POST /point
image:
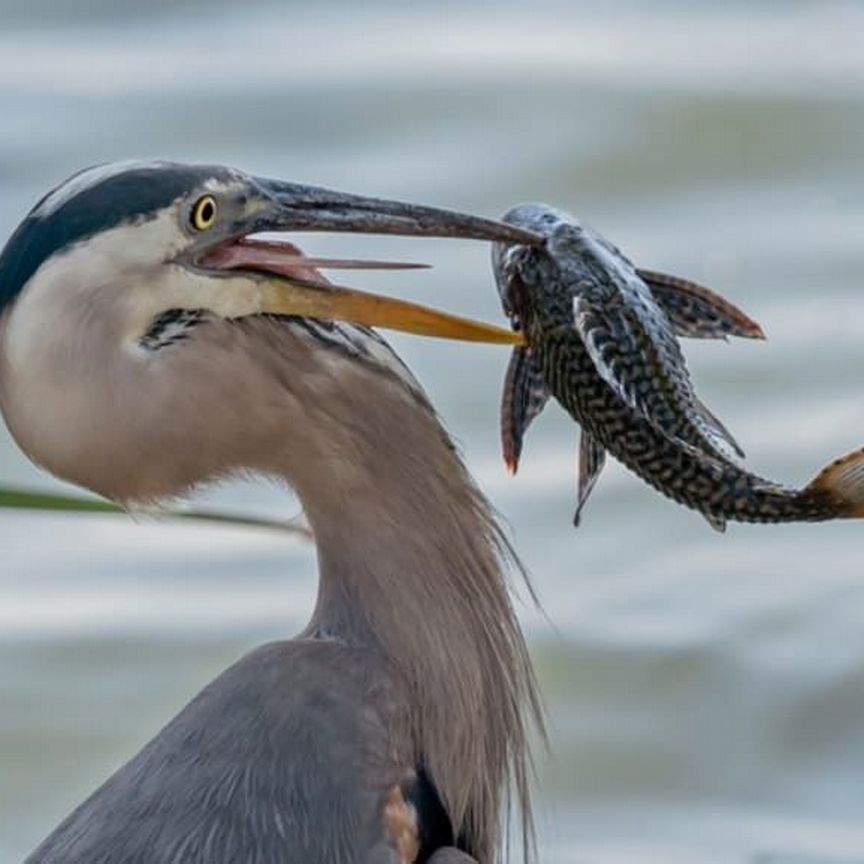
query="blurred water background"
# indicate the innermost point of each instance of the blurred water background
(705, 692)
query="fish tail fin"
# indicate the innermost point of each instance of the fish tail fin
(842, 483)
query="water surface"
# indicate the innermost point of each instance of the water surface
(705, 692)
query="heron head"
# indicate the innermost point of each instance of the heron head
(134, 303)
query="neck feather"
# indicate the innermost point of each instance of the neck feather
(412, 562)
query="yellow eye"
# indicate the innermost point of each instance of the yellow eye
(204, 213)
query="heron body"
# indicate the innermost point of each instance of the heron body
(602, 338)
(148, 347)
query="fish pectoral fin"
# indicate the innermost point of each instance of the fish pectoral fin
(698, 312)
(718, 523)
(718, 430)
(592, 458)
(524, 396)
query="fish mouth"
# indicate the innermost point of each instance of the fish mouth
(291, 282)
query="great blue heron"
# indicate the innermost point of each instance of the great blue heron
(147, 347)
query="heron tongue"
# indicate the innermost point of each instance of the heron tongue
(302, 291)
(285, 259)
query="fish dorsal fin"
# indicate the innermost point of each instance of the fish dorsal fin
(600, 344)
(718, 431)
(636, 353)
(698, 312)
(643, 369)
(592, 457)
(524, 396)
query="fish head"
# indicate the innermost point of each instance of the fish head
(509, 261)
(534, 281)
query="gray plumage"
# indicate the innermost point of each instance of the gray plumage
(396, 725)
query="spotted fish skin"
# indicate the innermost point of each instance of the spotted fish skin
(607, 351)
(583, 281)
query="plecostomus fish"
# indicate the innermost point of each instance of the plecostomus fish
(601, 337)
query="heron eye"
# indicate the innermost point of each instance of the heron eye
(204, 213)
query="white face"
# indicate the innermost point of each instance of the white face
(128, 276)
(75, 331)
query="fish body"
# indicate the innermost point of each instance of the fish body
(602, 338)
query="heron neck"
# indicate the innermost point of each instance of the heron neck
(406, 542)
(410, 560)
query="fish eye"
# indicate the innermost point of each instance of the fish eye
(204, 213)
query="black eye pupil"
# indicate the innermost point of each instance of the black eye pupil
(206, 213)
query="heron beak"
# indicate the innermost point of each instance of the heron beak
(302, 291)
(309, 208)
